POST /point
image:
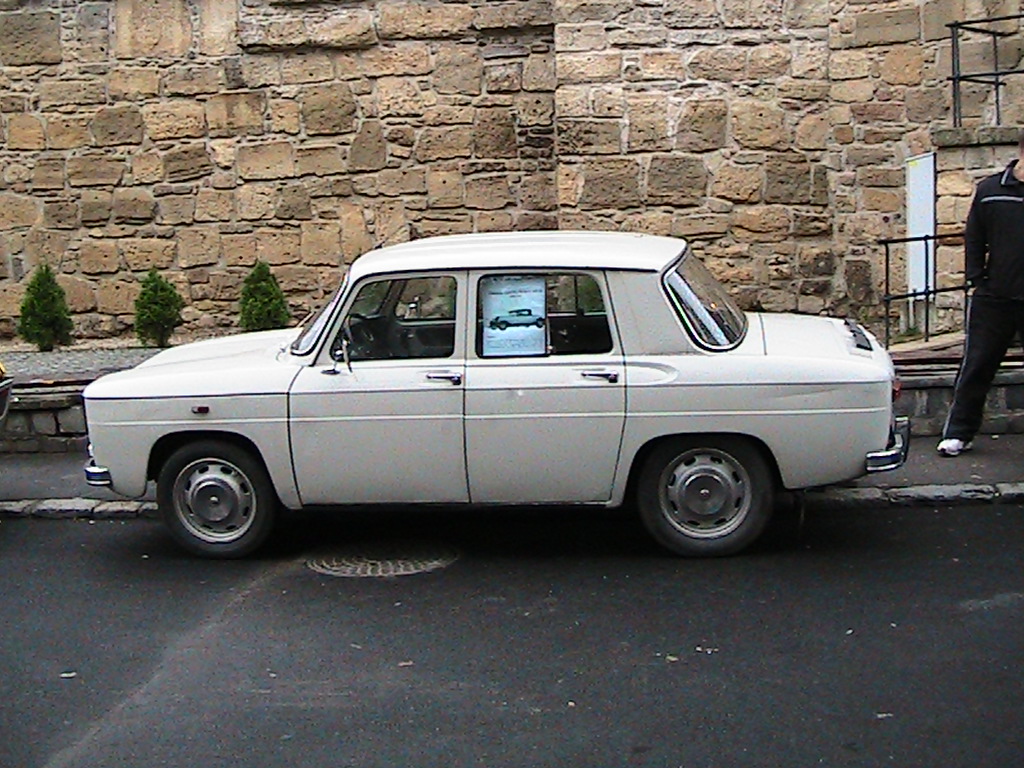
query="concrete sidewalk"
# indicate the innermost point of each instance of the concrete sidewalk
(52, 485)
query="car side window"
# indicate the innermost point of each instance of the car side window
(540, 315)
(401, 319)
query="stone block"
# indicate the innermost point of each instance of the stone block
(239, 250)
(405, 20)
(444, 188)
(186, 163)
(236, 114)
(29, 39)
(590, 137)
(494, 133)
(111, 126)
(198, 247)
(193, 80)
(648, 125)
(503, 77)
(116, 297)
(217, 27)
(409, 59)
(96, 207)
(307, 68)
(318, 161)
(610, 183)
(94, 170)
(898, 25)
(719, 64)
(71, 421)
(676, 180)
(174, 120)
(369, 151)
(25, 132)
(17, 211)
(294, 203)
(343, 30)
(67, 131)
(513, 15)
(61, 214)
(285, 116)
(328, 109)
(139, 254)
(147, 168)
(320, 243)
(279, 246)
(487, 193)
(146, 28)
(266, 161)
(702, 125)
(443, 144)
(757, 124)
(787, 180)
(214, 205)
(98, 257)
(589, 67)
(682, 14)
(133, 83)
(56, 94)
(133, 206)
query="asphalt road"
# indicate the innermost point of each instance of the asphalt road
(890, 638)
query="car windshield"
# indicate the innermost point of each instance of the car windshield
(315, 323)
(706, 308)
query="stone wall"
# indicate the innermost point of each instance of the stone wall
(197, 136)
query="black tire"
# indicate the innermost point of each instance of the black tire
(706, 497)
(216, 499)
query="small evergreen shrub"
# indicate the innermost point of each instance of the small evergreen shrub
(157, 310)
(263, 303)
(45, 318)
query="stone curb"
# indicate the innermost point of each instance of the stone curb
(78, 509)
(917, 495)
(846, 498)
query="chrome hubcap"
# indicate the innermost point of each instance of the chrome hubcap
(214, 500)
(705, 493)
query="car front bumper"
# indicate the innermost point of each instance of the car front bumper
(895, 455)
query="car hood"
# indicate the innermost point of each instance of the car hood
(249, 363)
(812, 338)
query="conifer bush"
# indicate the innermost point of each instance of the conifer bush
(45, 318)
(263, 305)
(157, 310)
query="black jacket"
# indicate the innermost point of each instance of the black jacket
(994, 237)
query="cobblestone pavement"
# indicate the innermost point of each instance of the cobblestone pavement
(69, 364)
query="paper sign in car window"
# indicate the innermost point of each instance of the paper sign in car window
(513, 315)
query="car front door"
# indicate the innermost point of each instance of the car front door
(384, 424)
(545, 401)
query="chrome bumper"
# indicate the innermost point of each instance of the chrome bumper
(895, 455)
(99, 476)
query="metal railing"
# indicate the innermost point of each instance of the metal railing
(994, 78)
(927, 295)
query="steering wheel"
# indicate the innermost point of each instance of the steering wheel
(362, 339)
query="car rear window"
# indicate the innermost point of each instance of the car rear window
(707, 310)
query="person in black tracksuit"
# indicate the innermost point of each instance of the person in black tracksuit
(994, 265)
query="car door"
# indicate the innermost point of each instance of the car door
(384, 424)
(545, 400)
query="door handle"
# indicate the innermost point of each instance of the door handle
(612, 377)
(453, 378)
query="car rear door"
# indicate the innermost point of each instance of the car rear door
(545, 402)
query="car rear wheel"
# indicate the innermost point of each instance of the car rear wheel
(216, 499)
(706, 497)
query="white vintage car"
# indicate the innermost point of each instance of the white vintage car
(644, 382)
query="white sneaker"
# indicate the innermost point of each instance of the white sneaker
(953, 447)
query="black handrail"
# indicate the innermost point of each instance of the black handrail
(930, 241)
(995, 78)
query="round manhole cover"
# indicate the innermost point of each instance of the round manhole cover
(368, 560)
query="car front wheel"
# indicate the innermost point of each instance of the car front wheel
(216, 499)
(706, 497)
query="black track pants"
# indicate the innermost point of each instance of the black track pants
(991, 326)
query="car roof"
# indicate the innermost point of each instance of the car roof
(524, 250)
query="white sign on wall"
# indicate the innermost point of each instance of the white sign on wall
(920, 221)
